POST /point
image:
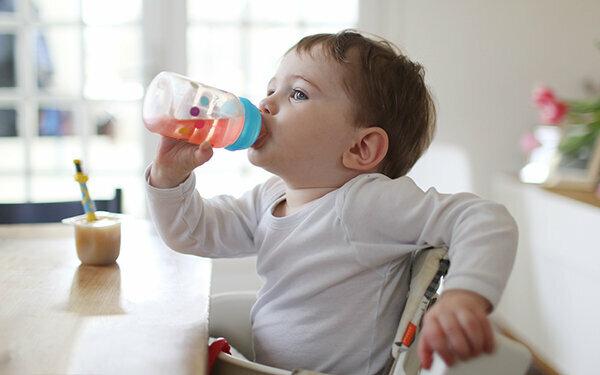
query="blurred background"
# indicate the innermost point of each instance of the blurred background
(73, 73)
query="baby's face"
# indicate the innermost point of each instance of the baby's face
(308, 119)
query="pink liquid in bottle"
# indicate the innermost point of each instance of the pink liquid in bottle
(220, 132)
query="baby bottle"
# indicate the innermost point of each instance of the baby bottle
(177, 107)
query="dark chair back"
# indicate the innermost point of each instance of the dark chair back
(53, 212)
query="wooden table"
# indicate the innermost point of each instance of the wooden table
(147, 314)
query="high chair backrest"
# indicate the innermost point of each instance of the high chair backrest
(428, 266)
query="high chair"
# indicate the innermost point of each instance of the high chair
(229, 317)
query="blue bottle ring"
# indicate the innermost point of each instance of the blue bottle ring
(251, 130)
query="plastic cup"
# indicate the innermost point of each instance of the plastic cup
(98, 243)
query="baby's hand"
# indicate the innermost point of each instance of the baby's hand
(456, 327)
(175, 160)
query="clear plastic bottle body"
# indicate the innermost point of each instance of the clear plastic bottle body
(177, 107)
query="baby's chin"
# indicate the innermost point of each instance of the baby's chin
(257, 157)
(264, 160)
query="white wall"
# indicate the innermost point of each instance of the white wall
(551, 301)
(483, 58)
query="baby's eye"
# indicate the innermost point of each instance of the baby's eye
(270, 92)
(298, 95)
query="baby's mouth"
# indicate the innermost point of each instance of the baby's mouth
(262, 137)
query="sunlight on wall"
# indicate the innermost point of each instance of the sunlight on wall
(445, 167)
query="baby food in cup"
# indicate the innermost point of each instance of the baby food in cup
(98, 242)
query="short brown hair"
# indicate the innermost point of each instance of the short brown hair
(388, 91)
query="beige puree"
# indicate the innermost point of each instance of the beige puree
(98, 242)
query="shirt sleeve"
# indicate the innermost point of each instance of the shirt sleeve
(220, 227)
(481, 235)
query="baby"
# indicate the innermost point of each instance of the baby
(346, 117)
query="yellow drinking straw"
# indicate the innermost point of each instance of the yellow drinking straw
(86, 202)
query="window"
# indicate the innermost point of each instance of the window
(72, 77)
(70, 87)
(236, 45)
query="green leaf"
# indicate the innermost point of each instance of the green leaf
(581, 106)
(576, 118)
(594, 126)
(570, 145)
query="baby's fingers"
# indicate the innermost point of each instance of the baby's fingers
(457, 338)
(489, 343)
(425, 353)
(202, 154)
(433, 339)
(473, 325)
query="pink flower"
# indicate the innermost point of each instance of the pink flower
(528, 143)
(543, 95)
(553, 112)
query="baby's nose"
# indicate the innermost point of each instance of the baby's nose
(267, 105)
(263, 107)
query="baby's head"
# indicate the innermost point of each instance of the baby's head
(341, 105)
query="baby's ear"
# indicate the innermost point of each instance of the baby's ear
(368, 150)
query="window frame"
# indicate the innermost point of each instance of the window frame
(27, 98)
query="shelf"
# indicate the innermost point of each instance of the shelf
(581, 196)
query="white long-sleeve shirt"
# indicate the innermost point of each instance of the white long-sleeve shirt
(335, 272)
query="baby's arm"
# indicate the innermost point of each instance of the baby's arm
(187, 223)
(482, 240)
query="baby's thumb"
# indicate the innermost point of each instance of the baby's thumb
(203, 153)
